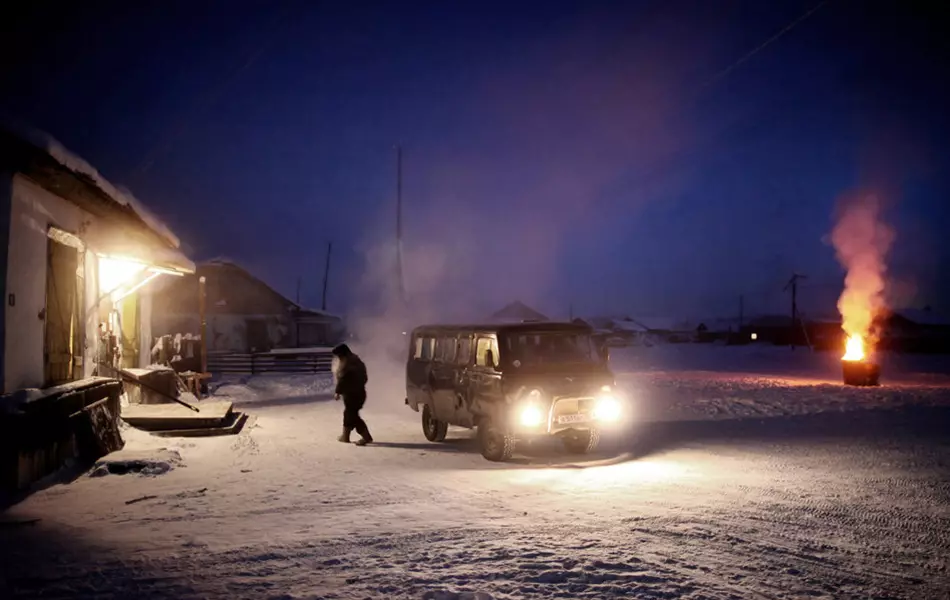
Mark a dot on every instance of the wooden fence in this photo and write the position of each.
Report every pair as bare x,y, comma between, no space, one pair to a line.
270,363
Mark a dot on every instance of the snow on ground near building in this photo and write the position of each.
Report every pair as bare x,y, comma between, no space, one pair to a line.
810,490
272,389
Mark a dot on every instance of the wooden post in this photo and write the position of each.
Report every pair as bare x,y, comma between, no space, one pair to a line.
326,276
202,301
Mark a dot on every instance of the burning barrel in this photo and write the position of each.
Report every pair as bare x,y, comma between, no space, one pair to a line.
855,366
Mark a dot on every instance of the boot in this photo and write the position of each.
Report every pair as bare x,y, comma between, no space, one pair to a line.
365,437
345,437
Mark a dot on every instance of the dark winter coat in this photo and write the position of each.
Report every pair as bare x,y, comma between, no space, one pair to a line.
352,378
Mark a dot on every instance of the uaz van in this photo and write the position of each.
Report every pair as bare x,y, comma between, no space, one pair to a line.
511,382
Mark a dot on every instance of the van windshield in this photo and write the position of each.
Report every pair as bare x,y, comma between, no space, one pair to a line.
548,348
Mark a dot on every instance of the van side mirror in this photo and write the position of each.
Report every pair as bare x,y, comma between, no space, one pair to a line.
605,352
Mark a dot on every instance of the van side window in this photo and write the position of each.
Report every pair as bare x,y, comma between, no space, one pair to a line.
445,349
448,350
482,346
464,351
417,352
428,345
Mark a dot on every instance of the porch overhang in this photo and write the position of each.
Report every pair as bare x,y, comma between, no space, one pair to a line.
126,247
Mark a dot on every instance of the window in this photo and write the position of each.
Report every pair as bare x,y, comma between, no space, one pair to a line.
464,355
482,346
448,350
445,349
550,348
428,348
417,353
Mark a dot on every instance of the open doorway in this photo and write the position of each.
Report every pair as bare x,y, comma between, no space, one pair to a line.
63,336
128,314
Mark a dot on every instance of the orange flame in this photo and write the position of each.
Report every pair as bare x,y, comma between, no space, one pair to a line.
854,348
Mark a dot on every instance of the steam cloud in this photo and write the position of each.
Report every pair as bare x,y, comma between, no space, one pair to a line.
862,241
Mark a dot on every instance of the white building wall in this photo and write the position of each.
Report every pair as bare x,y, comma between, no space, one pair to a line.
32,211
92,314
6,189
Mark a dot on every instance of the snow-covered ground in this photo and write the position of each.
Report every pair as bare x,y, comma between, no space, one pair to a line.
748,475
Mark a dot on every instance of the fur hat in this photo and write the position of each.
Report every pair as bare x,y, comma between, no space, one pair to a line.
342,351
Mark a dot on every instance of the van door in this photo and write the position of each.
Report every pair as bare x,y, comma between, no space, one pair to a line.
463,381
443,380
417,373
486,379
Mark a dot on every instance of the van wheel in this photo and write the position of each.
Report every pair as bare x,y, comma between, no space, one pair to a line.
582,442
434,430
496,444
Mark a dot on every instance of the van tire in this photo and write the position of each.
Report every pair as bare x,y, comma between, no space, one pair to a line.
582,442
495,444
432,428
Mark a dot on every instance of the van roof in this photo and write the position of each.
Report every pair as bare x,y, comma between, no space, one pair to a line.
524,326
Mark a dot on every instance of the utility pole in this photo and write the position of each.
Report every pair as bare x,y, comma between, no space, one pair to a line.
793,285
399,273
741,309
326,276
203,320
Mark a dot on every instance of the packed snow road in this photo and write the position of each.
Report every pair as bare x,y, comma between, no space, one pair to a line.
742,487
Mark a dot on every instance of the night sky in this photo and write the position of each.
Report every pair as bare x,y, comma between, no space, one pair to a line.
618,156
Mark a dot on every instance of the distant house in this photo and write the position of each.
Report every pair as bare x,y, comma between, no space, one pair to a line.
668,329
518,312
916,330
819,332
242,313
79,257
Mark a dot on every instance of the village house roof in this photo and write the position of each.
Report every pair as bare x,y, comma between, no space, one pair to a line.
518,311
228,263
46,162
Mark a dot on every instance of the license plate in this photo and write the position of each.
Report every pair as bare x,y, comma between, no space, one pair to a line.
563,419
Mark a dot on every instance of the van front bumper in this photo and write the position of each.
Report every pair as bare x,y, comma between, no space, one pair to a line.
566,414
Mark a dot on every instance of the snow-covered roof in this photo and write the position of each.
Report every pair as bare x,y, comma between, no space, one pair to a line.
629,325
665,324
518,311
72,162
225,262
317,311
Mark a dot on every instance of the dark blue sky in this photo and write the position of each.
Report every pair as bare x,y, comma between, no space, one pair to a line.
557,152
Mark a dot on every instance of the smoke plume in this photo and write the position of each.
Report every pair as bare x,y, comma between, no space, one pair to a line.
862,241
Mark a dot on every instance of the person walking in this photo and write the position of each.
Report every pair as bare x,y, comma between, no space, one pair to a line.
351,379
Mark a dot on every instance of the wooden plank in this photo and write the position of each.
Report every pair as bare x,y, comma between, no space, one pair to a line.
231,426
156,417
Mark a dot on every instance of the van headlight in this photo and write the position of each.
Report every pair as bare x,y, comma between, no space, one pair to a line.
607,409
531,416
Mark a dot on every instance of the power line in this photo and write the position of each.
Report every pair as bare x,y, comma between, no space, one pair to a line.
725,72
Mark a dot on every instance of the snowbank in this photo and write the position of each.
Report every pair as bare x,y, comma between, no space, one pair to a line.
146,463
260,388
